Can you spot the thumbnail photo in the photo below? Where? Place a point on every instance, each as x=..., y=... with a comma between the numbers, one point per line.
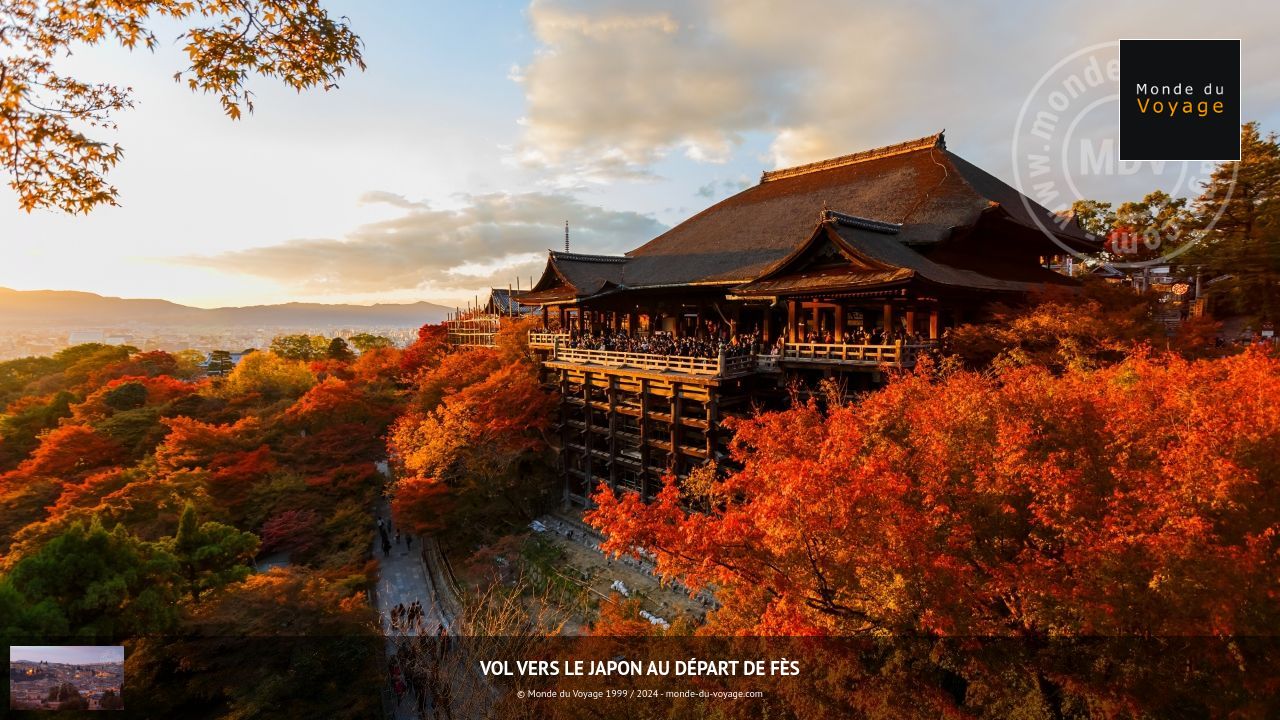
x=66, y=677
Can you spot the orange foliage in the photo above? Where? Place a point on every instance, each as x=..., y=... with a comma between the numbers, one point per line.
x=89, y=492
x=377, y=365
x=455, y=371
x=159, y=390
x=235, y=471
x=478, y=430
x=330, y=368
x=420, y=504
x=1060, y=327
x=336, y=402
x=68, y=452
x=1134, y=499
x=193, y=444
x=426, y=351
x=620, y=617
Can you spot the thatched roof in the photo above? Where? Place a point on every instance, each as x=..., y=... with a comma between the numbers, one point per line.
x=919, y=185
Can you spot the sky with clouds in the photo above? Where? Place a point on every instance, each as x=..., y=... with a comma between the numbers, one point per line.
x=69, y=654
x=451, y=164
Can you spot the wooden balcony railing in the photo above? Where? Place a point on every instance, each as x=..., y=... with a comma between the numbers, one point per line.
x=897, y=354
x=547, y=340
x=644, y=361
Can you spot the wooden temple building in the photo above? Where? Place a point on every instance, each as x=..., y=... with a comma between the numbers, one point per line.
x=840, y=268
x=478, y=325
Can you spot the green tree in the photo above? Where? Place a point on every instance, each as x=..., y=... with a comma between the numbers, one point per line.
x=46, y=116
x=1242, y=248
x=300, y=347
x=190, y=364
x=210, y=554
x=1094, y=216
x=220, y=363
x=268, y=375
x=65, y=696
x=1151, y=226
x=23, y=421
x=126, y=396
x=17, y=374
x=339, y=350
x=364, y=342
x=94, y=582
x=289, y=642
x=110, y=701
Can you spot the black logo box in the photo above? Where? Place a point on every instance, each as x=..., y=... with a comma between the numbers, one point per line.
x=1187, y=68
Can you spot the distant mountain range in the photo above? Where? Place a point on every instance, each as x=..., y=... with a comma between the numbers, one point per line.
x=21, y=309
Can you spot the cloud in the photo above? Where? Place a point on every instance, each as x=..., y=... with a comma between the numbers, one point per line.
x=618, y=85
x=720, y=188
x=490, y=240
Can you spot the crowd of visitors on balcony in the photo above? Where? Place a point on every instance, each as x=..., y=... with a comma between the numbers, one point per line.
x=664, y=343
x=710, y=343
x=863, y=336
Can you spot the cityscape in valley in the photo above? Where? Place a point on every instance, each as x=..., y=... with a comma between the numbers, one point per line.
x=38, y=684
x=561, y=360
x=44, y=322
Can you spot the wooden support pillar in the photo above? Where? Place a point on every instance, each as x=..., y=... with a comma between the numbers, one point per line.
x=646, y=488
x=793, y=331
x=838, y=335
x=677, y=409
x=615, y=321
x=587, y=423
x=564, y=433
x=911, y=322
x=546, y=318
x=766, y=331
x=888, y=318
x=613, y=431
x=933, y=323
x=713, y=424
x=633, y=323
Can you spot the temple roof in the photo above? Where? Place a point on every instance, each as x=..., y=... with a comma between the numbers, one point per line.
x=505, y=301
x=574, y=275
x=871, y=255
x=927, y=192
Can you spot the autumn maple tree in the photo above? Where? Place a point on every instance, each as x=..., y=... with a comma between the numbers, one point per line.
x=475, y=424
x=1133, y=499
x=49, y=120
x=1057, y=328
